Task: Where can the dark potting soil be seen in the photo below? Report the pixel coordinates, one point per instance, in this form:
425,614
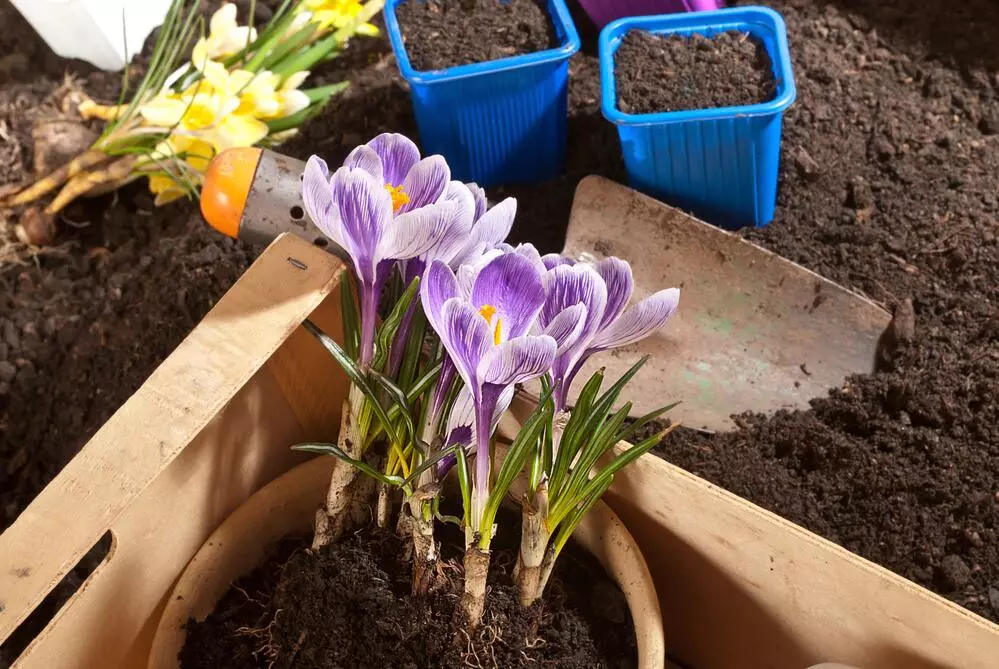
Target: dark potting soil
889,185
445,33
663,73
350,608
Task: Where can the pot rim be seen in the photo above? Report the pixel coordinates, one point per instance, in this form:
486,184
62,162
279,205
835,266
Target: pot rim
286,505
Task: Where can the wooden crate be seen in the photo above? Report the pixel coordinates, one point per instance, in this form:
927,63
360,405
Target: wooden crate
739,587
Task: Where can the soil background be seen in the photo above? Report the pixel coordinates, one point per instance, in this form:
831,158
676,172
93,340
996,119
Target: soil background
889,185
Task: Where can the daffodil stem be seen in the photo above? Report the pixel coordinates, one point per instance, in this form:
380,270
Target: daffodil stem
324,93
110,176
76,166
271,55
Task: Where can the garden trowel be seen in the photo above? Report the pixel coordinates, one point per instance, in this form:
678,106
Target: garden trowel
754,331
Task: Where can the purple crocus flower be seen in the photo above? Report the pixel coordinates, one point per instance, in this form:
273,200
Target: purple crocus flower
621,326
394,161
489,229
355,210
459,208
575,299
604,291
484,328
461,204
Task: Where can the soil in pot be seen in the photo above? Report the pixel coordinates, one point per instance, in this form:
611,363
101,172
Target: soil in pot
350,608
446,33
664,73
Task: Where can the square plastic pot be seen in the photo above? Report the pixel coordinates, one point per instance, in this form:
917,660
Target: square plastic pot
502,121
603,12
720,163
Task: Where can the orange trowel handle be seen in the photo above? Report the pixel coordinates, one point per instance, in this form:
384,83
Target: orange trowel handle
254,195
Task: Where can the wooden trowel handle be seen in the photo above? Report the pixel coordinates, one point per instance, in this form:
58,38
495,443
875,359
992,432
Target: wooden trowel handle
254,195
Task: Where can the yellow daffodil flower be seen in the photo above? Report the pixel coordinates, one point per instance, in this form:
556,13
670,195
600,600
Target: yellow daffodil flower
195,151
175,167
225,37
165,189
290,99
338,13
261,95
208,116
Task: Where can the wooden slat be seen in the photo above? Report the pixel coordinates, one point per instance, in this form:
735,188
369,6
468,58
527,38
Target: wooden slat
177,401
741,587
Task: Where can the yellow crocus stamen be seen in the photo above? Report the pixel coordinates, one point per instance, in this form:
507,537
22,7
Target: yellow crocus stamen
487,311
399,196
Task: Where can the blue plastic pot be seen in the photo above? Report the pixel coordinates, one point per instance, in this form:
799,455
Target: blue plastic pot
721,164
503,121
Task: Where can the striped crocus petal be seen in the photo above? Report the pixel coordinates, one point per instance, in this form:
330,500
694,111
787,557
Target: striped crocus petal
437,287
511,290
566,286
318,199
365,209
365,158
425,183
518,360
488,232
553,260
566,327
441,226
458,208
398,155
639,321
467,337
481,203
616,274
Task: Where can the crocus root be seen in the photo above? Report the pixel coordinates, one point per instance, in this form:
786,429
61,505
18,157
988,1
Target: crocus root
473,601
424,548
57,178
533,544
546,569
383,508
332,516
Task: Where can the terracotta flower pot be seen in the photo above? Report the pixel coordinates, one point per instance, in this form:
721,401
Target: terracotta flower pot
287,506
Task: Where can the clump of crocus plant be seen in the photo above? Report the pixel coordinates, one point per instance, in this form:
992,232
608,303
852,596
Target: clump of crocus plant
240,87
424,401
